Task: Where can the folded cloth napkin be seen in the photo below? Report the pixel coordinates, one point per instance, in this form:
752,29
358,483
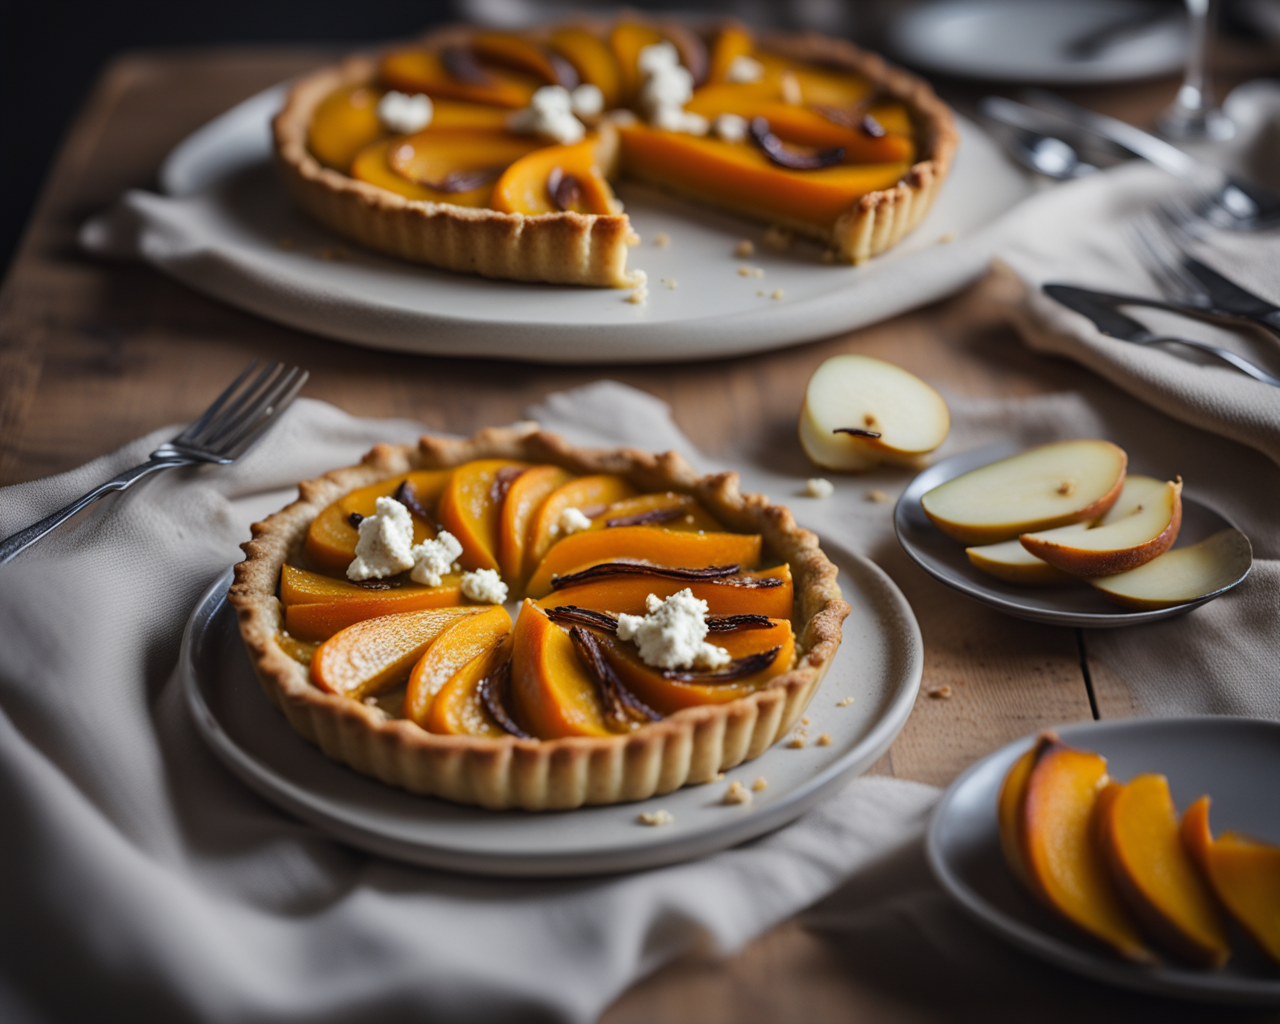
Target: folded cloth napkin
141,878
1078,234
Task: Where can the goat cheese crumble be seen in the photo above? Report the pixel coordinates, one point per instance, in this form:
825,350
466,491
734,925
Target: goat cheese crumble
667,88
433,558
404,114
730,128
484,585
673,633
743,70
549,116
587,100
385,546
572,520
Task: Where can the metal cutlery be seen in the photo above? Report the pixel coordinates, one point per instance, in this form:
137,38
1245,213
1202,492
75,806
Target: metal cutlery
1225,200
236,420
1101,309
1045,154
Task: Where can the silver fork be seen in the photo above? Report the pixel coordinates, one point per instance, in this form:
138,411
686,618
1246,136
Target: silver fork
1160,240
227,429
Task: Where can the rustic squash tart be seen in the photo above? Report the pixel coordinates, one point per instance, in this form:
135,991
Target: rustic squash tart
491,152
671,626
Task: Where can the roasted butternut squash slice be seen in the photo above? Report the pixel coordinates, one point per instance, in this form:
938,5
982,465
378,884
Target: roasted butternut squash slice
458,708
742,177
733,42
526,495
414,71
443,165
520,54
371,656
318,606
592,59
645,543
344,123
588,494
331,539
627,40
471,508
552,692
461,643
734,595
555,179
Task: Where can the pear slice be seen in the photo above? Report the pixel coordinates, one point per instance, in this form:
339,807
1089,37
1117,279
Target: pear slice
1135,539
1011,562
866,394
1187,574
1053,485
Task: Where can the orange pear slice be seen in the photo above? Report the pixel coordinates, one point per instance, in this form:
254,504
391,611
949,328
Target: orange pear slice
1244,873
371,656
318,606
585,493
1009,804
471,508
528,493
460,644
458,708
1126,543
863,393
1186,574
552,693
1138,829
767,592
1062,859
1053,485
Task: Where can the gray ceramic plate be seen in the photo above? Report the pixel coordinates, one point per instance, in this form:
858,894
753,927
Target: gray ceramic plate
944,559
879,665
1235,760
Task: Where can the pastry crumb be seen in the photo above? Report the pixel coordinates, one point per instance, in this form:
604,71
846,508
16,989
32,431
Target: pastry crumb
719,776
762,294
804,721
641,293
778,238
656,818
670,282
819,487
751,272
661,240
760,785
844,703
744,249
737,793
798,740
940,693
946,238
824,740
877,496
778,293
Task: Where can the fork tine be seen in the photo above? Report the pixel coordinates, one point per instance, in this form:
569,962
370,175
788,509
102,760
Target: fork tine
281,399
194,428
1162,258
246,401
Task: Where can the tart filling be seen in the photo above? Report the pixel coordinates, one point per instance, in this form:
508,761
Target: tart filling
678,633
492,152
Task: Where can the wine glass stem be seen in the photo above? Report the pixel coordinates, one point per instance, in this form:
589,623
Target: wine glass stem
1196,94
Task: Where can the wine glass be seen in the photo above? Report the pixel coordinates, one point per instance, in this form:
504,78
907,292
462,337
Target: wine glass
1194,115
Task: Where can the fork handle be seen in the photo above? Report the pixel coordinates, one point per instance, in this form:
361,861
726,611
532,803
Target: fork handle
23,539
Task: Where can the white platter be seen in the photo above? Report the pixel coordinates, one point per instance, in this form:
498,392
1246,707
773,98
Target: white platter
879,665
1028,40
943,557
1235,760
220,226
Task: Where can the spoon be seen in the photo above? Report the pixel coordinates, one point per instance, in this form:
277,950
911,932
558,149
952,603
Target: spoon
1044,154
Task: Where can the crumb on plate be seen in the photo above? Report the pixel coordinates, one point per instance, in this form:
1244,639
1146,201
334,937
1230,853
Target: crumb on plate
656,818
737,793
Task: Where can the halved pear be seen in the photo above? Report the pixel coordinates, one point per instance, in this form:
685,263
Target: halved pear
862,393
1137,492
1011,562
1131,541
1184,575
1053,485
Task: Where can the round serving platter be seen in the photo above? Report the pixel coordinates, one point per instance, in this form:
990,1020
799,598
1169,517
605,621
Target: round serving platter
226,227
879,665
1234,760
943,557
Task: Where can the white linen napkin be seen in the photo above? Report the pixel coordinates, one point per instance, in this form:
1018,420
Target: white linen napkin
135,864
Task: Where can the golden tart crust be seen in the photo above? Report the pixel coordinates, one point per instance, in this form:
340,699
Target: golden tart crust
691,746
590,249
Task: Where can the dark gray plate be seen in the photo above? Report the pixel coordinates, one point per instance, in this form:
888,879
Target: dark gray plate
943,557
1235,760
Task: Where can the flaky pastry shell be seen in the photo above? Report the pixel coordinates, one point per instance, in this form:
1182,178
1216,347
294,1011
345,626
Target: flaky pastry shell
589,249
691,746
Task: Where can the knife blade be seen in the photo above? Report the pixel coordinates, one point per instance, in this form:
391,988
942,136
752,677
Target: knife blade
1229,297
1099,308
1248,309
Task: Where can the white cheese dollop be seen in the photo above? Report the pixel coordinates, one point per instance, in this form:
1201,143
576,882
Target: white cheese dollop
433,558
404,114
549,116
385,546
573,520
673,634
587,100
667,88
729,128
819,487
484,585
743,70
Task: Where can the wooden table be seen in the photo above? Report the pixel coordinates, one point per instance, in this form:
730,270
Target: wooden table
94,354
